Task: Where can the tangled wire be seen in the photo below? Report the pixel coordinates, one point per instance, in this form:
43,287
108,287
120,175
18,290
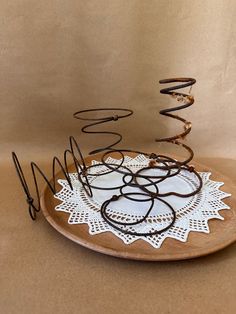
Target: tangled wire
146,185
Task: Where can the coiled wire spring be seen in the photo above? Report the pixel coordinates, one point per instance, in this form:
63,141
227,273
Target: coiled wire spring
166,164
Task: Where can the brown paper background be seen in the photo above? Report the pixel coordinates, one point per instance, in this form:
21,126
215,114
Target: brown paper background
57,57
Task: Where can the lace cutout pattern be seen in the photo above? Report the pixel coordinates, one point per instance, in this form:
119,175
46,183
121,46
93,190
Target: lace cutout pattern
192,213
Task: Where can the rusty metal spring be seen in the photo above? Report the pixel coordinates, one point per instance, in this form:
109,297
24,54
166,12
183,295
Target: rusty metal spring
168,165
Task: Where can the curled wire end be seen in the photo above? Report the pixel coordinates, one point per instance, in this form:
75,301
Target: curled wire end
79,165
103,118
115,197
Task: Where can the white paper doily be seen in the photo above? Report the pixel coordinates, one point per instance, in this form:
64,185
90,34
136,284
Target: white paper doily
192,213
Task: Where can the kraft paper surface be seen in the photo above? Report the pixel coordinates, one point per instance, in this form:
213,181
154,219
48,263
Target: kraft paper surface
58,57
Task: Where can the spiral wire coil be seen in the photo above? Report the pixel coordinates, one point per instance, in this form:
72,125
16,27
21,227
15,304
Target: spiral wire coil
167,166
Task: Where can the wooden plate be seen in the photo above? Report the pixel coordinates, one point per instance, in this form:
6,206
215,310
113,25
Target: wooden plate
222,233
